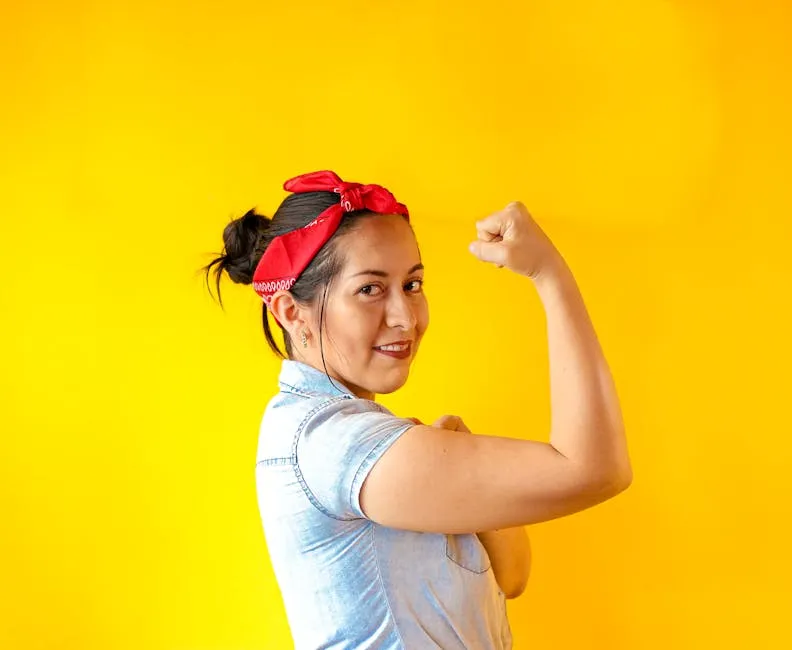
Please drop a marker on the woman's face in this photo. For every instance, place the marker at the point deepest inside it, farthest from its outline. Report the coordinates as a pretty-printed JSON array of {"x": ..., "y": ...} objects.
[{"x": 377, "y": 299}]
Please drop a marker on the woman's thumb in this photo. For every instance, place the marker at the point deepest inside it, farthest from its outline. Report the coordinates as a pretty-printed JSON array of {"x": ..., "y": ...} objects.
[{"x": 489, "y": 251}]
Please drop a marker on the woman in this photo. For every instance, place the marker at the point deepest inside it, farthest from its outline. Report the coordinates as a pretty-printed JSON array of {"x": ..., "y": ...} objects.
[{"x": 383, "y": 532}]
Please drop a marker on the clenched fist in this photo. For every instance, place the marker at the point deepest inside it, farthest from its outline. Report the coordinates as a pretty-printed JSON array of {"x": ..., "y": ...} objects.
[{"x": 511, "y": 238}]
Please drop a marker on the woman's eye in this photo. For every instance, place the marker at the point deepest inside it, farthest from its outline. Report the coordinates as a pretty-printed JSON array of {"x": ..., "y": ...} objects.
[
  {"x": 416, "y": 282},
  {"x": 368, "y": 290}
]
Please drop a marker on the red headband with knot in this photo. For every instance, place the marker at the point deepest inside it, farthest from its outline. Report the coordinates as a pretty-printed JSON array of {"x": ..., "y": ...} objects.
[{"x": 288, "y": 255}]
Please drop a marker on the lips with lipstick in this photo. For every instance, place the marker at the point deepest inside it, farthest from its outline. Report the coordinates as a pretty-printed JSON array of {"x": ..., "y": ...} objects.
[{"x": 397, "y": 349}]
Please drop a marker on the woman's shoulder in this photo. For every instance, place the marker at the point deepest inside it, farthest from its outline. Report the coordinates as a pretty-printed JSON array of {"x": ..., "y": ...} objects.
[{"x": 313, "y": 409}]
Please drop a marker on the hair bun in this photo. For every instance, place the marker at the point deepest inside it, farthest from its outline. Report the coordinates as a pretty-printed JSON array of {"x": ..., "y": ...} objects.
[{"x": 243, "y": 251}]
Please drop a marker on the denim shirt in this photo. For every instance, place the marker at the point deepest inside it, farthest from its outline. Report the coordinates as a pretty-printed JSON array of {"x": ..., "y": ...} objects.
[{"x": 347, "y": 582}]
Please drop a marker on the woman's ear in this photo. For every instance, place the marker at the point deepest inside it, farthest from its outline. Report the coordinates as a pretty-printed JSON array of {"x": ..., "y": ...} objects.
[{"x": 288, "y": 313}]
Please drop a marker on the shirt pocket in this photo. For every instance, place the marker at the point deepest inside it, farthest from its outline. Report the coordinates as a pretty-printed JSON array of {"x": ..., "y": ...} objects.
[{"x": 468, "y": 552}]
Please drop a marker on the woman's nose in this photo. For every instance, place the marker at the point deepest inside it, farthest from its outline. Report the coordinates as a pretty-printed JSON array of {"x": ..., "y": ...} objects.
[{"x": 401, "y": 314}]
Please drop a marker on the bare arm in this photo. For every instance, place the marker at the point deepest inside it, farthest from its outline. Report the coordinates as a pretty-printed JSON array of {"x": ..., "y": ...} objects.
[
  {"x": 438, "y": 480},
  {"x": 509, "y": 551},
  {"x": 587, "y": 425}
]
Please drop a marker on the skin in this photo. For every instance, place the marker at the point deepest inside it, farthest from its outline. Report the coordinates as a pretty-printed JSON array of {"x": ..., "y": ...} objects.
[{"x": 365, "y": 310}]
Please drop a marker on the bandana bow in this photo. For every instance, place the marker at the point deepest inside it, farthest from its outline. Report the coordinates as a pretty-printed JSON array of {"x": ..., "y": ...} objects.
[{"x": 287, "y": 256}]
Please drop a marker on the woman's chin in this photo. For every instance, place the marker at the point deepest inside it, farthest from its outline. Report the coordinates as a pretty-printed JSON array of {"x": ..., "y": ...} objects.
[{"x": 394, "y": 381}]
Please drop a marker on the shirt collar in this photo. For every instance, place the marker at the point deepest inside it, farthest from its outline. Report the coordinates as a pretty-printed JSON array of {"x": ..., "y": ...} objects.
[{"x": 299, "y": 377}]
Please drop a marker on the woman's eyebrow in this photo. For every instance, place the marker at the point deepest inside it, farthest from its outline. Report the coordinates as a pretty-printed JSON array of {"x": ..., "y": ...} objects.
[{"x": 383, "y": 274}]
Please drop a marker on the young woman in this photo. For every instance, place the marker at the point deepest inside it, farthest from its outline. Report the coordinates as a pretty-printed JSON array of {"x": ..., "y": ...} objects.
[{"x": 385, "y": 533}]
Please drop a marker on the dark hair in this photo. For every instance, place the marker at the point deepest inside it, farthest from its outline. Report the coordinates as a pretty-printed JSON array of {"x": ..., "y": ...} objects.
[{"x": 247, "y": 237}]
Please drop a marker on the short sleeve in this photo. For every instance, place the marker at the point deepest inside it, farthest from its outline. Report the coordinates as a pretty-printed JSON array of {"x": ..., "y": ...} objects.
[{"x": 338, "y": 444}]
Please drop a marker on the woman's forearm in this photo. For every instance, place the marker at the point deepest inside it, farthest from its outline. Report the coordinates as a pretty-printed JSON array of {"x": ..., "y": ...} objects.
[
  {"x": 509, "y": 551},
  {"x": 587, "y": 425}
]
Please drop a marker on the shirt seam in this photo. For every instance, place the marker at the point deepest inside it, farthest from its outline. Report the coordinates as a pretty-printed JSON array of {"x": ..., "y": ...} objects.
[
  {"x": 312, "y": 498},
  {"x": 294, "y": 389},
  {"x": 307, "y": 392},
  {"x": 280, "y": 460}
]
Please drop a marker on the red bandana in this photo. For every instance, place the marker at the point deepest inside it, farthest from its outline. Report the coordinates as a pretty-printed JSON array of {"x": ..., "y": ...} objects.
[{"x": 288, "y": 255}]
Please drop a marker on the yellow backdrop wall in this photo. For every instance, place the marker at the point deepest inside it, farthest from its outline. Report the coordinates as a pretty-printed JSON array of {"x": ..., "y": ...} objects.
[{"x": 651, "y": 140}]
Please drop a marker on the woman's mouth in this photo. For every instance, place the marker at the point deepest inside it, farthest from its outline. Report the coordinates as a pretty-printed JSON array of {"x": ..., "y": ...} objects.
[{"x": 398, "y": 350}]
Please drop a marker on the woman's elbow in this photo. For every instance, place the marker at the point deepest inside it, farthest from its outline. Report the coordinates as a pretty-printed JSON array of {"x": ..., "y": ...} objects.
[
  {"x": 516, "y": 588},
  {"x": 517, "y": 581}
]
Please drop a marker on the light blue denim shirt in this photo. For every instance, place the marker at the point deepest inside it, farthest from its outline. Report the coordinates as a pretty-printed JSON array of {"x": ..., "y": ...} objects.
[{"x": 347, "y": 582}]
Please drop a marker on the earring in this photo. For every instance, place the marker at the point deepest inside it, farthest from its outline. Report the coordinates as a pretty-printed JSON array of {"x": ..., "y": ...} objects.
[{"x": 304, "y": 340}]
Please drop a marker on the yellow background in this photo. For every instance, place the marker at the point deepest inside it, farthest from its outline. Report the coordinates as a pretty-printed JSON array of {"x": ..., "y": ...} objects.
[{"x": 651, "y": 140}]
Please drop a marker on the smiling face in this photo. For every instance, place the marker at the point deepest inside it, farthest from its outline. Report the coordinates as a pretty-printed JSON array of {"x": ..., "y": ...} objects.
[{"x": 377, "y": 299}]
